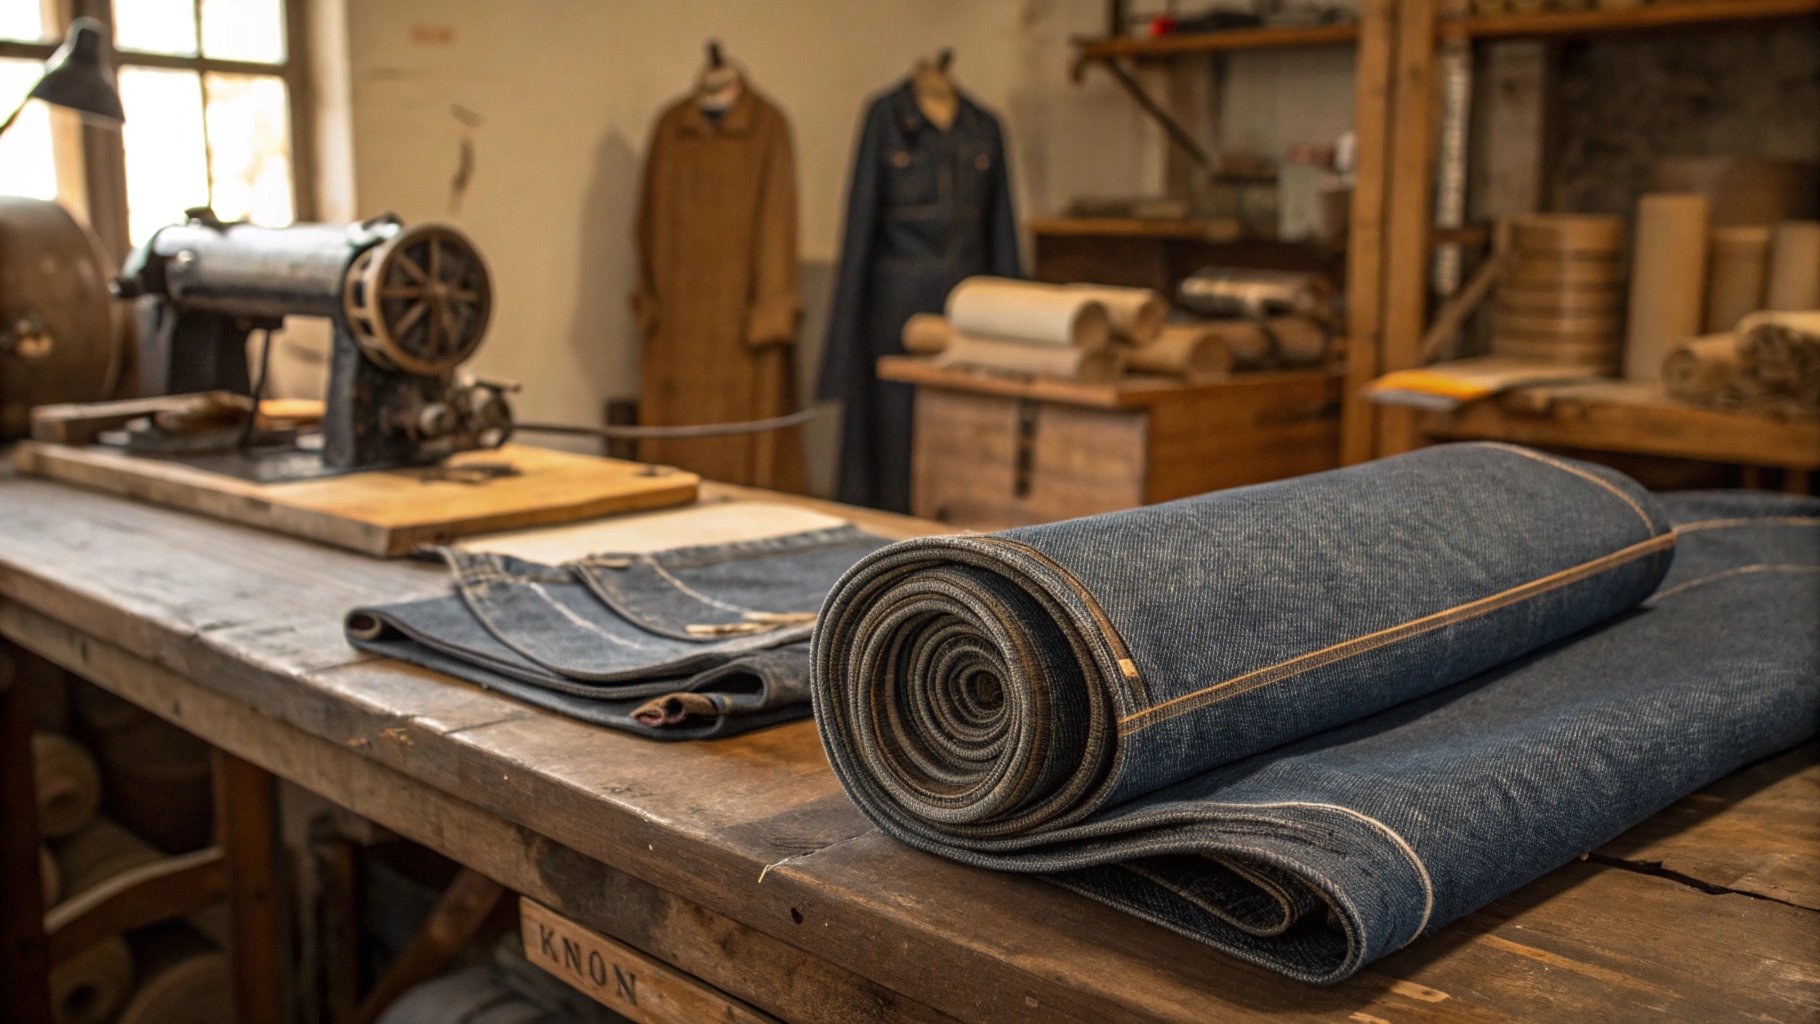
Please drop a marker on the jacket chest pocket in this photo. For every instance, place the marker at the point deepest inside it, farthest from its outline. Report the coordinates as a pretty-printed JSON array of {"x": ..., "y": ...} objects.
[
  {"x": 909, "y": 178},
  {"x": 974, "y": 169}
]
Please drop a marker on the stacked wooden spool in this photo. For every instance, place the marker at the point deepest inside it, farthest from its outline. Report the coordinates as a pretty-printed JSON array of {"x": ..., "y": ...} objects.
[{"x": 1562, "y": 297}]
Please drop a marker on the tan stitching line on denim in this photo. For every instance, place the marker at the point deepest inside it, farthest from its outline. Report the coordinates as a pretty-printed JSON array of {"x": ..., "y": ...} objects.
[
  {"x": 1201, "y": 698},
  {"x": 1738, "y": 571},
  {"x": 1726, "y": 524},
  {"x": 1127, "y": 667},
  {"x": 1583, "y": 474}
]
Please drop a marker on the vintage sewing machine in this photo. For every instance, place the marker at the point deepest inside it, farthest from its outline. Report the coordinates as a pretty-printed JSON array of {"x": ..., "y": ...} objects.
[{"x": 408, "y": 305}]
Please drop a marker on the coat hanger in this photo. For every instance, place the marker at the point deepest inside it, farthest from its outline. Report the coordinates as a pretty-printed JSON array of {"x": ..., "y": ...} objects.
[
  {"x": 720, "y": 83},
  {"x": 934, "y": 89}
]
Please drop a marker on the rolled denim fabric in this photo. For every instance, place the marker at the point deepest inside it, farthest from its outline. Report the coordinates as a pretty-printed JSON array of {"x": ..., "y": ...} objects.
[{"x": 1092, "y": 698}]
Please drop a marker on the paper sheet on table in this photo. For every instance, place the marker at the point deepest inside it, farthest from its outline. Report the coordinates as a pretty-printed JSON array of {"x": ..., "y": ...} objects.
[
  {"x": 1444, "y": 387},
  {"x": 717, "y": 523}
]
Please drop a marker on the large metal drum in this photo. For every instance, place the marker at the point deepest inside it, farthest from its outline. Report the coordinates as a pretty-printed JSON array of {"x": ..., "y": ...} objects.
[{"x": 58, "y": 341}]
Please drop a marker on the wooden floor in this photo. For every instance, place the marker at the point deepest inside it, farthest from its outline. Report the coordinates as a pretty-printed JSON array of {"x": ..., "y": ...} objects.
[{"x": 742, "y": 863}]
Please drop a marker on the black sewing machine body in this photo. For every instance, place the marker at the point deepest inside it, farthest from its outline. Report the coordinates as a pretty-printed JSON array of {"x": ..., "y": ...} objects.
[{"x": 408, "y": 305}]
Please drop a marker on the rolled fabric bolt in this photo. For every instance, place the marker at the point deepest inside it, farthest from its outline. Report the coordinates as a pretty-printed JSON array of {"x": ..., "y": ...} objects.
[
  {"x": 69, "y": 784},
  {"x": 1794, "y": 266},
  {"x": 1297, "y": 340},
  {"x": 1698, "y": 369},
  {"x": 926, "y": 334},
  {"x": 1781, "y": 355},
  {"x": 1084, "y": 365},
  {"x": 1735, "y": 282},
  {"x": 1135, "y": 314},
  {"x": 88, "y": 987},
  {"x": 100, "y": 851},
  {"x": 1043, "y": 314},
  {"x": 184, "y": 979},
  {"x": 1668, "y": 279},
  {"x": 1189, "y": 351}
]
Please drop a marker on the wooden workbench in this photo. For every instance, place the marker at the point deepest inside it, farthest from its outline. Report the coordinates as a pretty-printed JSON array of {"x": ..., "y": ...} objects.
[{"x": 742, "y": 863}]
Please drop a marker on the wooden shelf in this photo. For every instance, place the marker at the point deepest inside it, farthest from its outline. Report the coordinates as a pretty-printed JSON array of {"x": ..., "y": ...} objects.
[
  {"x": 1218, "y": 230},
  {"x": 1262, "y": 38},
  {"x": 1660, "y": 14}
]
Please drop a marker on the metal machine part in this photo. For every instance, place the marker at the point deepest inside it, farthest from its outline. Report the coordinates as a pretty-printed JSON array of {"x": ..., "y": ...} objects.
[
  {"x": 58, "y": 337},
  {"x": 409, "y": 305},
  {"x": 1255, "y": 294}
]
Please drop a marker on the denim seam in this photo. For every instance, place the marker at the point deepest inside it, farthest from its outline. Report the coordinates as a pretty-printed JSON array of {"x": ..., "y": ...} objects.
[
  {"x": 1127, "y": 665},
  {"x": 1198, "y": 699},
  {"x": 1583, "y": 474},
  {"x": 1737, "y": 571},
  {"x": 1726, "y": 524},
  {"x": 569, "y": 613}
]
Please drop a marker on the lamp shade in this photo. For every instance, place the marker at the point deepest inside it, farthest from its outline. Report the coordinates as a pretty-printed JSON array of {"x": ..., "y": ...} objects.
[{"x": 80, "y": 74}]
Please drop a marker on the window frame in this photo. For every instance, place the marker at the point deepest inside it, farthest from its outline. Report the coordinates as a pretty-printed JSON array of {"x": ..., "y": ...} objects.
[{"x": 102, "y": 152}]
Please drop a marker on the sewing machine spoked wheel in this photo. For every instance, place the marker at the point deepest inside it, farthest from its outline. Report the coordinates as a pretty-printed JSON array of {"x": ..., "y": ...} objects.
[{"x": 419, "y": 301}]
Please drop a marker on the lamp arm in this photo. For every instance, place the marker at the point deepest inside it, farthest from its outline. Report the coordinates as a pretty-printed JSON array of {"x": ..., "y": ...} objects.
[{"x": 14, "y": 116}]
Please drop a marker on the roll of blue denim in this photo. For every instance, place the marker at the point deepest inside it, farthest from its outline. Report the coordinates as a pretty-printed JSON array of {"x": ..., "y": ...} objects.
[{"x": 1309, "y": 721}]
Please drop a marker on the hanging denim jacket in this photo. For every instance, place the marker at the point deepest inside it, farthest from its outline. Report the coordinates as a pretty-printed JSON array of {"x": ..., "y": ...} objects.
[{"x": 927, "y": 208}]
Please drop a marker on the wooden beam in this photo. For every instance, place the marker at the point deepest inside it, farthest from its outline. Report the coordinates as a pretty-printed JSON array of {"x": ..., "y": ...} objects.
[
  {"x": 463, "y": 907},
  {"x": 24, "y": 954},
  {"x": 1410, "y": 190},
  {"x": 245, "y": 827},
  {"x": 1265, "y": 37},
  {"x": 1688, "y": 13},
  {"x": 1365, "y": 236},
  {"x": 133, "y": 899}
]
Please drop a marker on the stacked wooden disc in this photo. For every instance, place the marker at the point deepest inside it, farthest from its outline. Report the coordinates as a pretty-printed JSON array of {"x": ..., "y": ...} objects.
[{"x": 1561, "y": 300}]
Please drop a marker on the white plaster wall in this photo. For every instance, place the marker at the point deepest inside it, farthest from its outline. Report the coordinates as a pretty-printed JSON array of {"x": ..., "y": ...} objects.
[{"x": 564, "y": 93}]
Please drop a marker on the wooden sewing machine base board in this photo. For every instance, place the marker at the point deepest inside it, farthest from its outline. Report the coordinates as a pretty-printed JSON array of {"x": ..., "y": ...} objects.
[{"x": 383, "y": 512}]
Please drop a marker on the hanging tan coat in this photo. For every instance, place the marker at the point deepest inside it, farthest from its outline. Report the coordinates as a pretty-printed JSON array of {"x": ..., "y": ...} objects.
[{"x": 717, "y": 300}]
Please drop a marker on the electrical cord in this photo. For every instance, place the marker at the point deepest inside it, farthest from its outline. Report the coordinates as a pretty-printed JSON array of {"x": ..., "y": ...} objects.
[{"x": 691, "y": 430}]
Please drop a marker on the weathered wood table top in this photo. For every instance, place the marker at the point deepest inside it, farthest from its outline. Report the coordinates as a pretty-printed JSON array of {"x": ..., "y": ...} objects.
[{"x": 743, "y": 863}]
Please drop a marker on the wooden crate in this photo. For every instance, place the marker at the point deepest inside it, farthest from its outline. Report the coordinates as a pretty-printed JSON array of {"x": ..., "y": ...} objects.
[{"x": 993, "y": 452}]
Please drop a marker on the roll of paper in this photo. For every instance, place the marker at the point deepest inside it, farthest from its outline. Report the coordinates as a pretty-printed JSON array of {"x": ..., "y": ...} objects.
[
  {"x": 102, "y": 850},
  {"x": 1028, "y": 311},
  {"x": 1085, "y": 365},
  {"x": 1561, "y": 233},
  {"x": 1668, "y": 279},
  {"x": 1794, "y": 266},
  {"x": 1136, "y": 314},
  {"x": 926, "y": 334},
  {"x": 1189, "y": 351},
  {"x": 90, "y": 986},
  {"x": 1734, "y": 286},
  {"x": 69, "y": 784}
]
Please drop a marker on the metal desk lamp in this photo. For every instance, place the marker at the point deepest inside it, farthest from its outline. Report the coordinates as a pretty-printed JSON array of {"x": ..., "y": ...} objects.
[{"x": 80, "y": 76}]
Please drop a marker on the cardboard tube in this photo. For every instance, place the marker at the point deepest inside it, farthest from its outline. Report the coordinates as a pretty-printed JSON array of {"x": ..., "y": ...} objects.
[
  {"x": 1571, "y": 270},
  {"x": 1085, "y": 365},
  {"x": 1188, "y": 351},
  {"x": 1734, "y": 285},
  {"x": 1028, "y": 311},
  {"x": 1696, "y": 370},
  {"x": 1136, "y": 314},
  {"x": 1298, "y": 341},
  {"x": 88, "y": 987},
  {"x": 926, "y": 334},
  {"x": 1668, "y": 279},
  {"x": 1794, "y": 266},
  {"x": 69, "y": 784}
]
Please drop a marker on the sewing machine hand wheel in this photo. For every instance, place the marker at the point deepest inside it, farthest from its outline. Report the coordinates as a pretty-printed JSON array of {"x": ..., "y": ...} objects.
[{"x": 419, "y": 301}]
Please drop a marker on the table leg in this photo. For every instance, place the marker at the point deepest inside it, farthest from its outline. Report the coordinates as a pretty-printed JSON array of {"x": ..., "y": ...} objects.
[
  {"x": 24, "y": 954},
  {"x": 245, "y": 826}
]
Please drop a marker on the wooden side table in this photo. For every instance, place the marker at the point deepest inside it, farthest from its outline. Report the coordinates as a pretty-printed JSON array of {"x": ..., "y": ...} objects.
[
  {"x": 1636, "y": 418},
  {"x": 994, "y": 451}
]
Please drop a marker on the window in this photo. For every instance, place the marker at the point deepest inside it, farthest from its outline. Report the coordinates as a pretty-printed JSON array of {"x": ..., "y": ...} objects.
[{"x": 211, "y": 93}]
